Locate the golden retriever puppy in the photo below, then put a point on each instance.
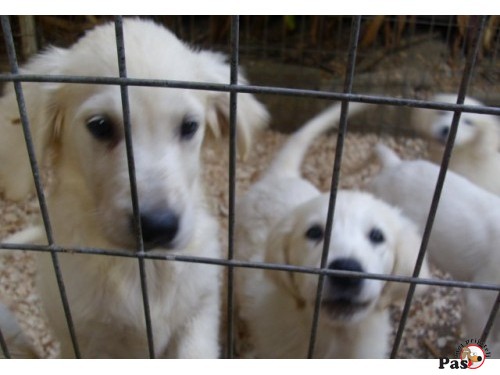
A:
(475, 153)
(81, 127)
(465, 234)
(367, 236)
(281, 219)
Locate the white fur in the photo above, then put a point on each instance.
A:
(272, 220)
(475, 153)
(90, 203)
(465, 236)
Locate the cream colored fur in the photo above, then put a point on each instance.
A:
(475, 154)
(90, 200)
(465, 234)
(273, 221)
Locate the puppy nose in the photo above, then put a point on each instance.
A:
(345, 283)
(159, 228)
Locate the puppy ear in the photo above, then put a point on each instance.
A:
(408, 244)
(277, 248)
(251, 115)
(16, 180)
(488, 137)
(422, 119)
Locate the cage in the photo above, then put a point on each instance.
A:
(296, 66)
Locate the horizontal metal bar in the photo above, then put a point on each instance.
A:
(245, 264)
(252, 89)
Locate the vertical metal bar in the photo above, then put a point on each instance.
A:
(283, 39)
(265, 44)
(466, 78)
(496, 49)
(3, 346)
(302, 38)
(120, 45)
(232, 180)
(433, 24)
(449, 28)
(491, 319)
(11, 52)
(355, 29)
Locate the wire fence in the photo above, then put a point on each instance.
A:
(233, 88)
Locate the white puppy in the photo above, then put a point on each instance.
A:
(281, 219)
(81, 126)
(475, 153)
(465, 234)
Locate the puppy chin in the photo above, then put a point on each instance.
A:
(345, 311)
(128, 241)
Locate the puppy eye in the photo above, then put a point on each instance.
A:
(376, 236)
(101, 128)
(315, 233)
(468, 122)
(188, 129)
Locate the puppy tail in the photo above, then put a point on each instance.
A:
(387, 157)
(17, 342)
(288, 161)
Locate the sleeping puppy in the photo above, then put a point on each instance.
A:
(465, 234)
(475, 153)
(81, 127)
(281, 219)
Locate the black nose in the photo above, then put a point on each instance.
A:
(346, 283)
(159, 228)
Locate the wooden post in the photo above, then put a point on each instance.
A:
(29, 45)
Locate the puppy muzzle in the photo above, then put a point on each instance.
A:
(341, 298)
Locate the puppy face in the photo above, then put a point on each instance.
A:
(367, 236)
(84, 127)
(166, 143)
(436, 125)
(468, 127)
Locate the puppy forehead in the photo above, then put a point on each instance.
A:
(354, 210)
(164, 103)
(151, 51)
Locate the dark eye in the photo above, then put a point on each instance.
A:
(376, 236)
(101, 127)
(188, 129)
(468, 122)
(315, 233)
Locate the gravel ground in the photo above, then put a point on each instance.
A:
(433, 326)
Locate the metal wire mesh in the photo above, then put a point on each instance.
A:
(233, 88)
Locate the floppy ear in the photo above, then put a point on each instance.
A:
(16, 180)
(251, 115)
(277, 248)
(488, 137)
(421, 120)
(406, 250)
